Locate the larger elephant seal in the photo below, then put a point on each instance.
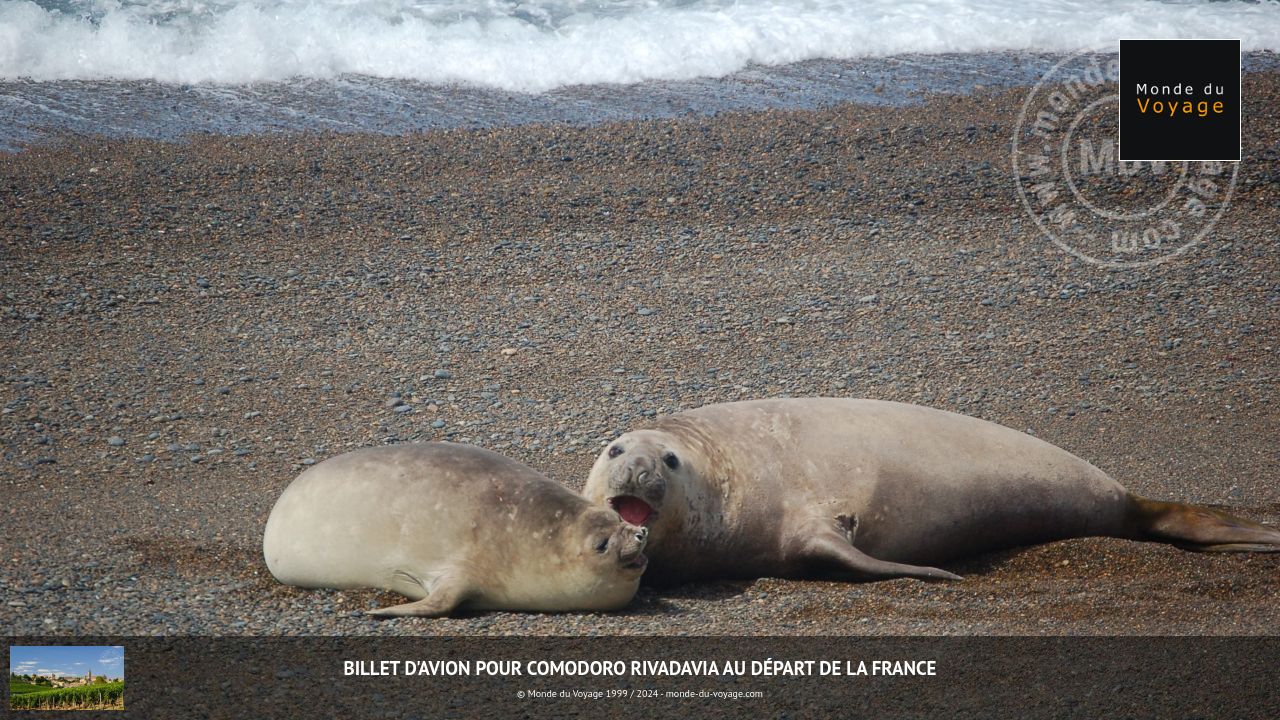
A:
(451, 525)
(871, 489)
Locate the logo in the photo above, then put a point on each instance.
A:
(1180, 100)
(1091, 204)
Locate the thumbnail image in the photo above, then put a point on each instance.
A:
(66, 677)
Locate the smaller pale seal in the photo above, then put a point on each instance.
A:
(451, 526)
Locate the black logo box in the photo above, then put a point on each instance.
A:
(1157, 80)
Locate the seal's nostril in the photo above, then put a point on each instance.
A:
(644, 533)
(644, 475)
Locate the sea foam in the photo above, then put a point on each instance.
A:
(543, 44)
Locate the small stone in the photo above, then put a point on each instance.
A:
(645, 311)
(251, 414)
(308, 461)
(868, 298)
(202, 282)
(402, 409)
(222, 390)
(509, 351)
(442, 375)
(115, 441)
(437, 424)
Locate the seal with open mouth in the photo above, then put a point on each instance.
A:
(868, 489)
(451, 526)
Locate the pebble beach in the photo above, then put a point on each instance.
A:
(187, 325)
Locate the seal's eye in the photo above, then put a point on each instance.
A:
(615, 451)
(671, 460)
(602, 545)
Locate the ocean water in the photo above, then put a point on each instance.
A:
(163, 68)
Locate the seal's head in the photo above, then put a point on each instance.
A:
(642, 476)
(608, 560)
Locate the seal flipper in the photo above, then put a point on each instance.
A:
(1199, 529)
(831, 548)
(444, 596)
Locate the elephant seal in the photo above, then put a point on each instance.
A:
(451, 525)
(869, 489)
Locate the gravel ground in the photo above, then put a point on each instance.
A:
(186, 326)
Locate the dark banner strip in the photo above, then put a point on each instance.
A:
(618, 677)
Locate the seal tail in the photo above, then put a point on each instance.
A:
(1200, 529)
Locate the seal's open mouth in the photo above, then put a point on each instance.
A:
(631, 508)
